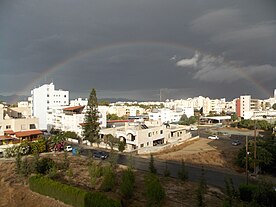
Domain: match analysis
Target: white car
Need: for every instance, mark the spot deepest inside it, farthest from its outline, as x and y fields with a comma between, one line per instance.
x=193, y=128
x=213, y=137
x=68, y=148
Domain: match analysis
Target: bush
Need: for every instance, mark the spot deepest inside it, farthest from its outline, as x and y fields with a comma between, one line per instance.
x=167, y=172
x=246, y=192
x=127, y=185
x=183, y=174
x=108, y=179
x=95, y=171
x=152, y=168
x=155, y=193
x=70, y=195
x=44, y=165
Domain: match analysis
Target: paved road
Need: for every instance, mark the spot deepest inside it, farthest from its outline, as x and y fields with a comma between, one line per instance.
x=213, y=177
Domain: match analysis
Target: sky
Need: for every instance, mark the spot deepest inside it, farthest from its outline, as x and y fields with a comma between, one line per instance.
x=135, y=49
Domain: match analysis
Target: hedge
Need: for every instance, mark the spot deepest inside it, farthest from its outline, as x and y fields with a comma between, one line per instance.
x=70, y=195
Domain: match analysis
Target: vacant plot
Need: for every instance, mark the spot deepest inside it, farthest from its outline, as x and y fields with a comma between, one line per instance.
x=218, y=153
x=15, y=192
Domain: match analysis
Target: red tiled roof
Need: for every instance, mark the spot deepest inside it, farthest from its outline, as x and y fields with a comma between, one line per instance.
x=28, y=133
x=9, y=132
x=72, y=108
x=5, y=137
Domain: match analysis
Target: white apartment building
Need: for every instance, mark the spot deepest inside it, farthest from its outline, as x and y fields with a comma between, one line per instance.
x=70, y=118
x=138, y=135
x=125, y=110
x=44, y=98
x=16, y=120
x=166, y=115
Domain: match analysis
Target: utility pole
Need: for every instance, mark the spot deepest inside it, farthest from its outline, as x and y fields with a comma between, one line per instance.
x=160, y=95
x=246, y=161
x=255, y=146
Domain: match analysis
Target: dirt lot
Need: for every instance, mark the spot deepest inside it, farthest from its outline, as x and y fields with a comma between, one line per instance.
x=15, y=192
x=217, y=153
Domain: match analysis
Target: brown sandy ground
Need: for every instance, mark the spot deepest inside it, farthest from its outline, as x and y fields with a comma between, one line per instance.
x=14, y=190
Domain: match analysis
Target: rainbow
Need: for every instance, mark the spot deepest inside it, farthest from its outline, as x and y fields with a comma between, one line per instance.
x=82, y=54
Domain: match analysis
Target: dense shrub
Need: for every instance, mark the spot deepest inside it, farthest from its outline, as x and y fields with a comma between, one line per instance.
x=155, y=193
x=69, y=194
x=44, y=165
x=127, y=185
x=95, y=171
x=108, y=179
x=152, y=168
x=246, y=192
x=22, y=149
x=38, y=147
x=182, y=173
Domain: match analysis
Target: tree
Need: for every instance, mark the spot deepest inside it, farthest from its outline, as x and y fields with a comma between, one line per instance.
x=201, y=190
x=127, y=184
x=111, y=140
x=152, y=169
x=274, y=106
x=155, y=192
x=91, y=126
x=182, y=173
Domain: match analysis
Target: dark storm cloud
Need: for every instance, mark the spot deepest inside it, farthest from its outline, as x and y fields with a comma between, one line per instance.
x=136, y=48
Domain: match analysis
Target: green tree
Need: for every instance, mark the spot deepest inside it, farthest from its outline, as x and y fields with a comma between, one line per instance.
x=274, y=106
x=230, y=193
x=109, y=179
x=234, y=117
x=127, y=184
x=152, y=168
x=201, y=190
x=91, y=127
x=155, y=192
x=184, y=120
x=182, y=173
x=122, y=146
x=111, y=140
x=167, y=172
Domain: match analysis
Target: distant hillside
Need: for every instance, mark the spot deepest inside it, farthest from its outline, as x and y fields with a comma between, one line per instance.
x=114, y=100
x=12, y=99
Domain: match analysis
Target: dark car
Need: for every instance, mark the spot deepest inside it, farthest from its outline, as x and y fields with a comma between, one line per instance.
x=236, y=142
x=100, y=155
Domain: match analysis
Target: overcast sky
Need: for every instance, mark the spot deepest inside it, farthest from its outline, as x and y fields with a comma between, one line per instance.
x=132, y=49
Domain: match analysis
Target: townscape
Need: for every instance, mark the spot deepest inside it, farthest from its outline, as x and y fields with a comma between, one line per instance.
x=133, y=134
x=152, y=103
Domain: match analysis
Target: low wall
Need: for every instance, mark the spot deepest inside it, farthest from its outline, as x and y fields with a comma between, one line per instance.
x=148, y=150
x=73, y=140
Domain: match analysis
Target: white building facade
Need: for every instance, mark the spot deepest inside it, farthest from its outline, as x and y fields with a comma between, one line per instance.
x=44, y=98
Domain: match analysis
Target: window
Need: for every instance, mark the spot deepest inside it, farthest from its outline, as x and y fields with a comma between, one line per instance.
x=142, y=145
x=161, y=131
x=64, y=96
x=8, y=126
x=32, y=126
x=23, y=127
x=147, y=143
x=47, y=95
x=149, y=134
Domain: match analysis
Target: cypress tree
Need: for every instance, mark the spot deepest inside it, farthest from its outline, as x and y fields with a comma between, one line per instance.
x=91, y=127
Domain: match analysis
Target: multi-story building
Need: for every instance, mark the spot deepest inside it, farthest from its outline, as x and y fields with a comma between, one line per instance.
x=70, y=118
x=138, y=135
x=243, y=105
x=17, y=122
x=44, y=98
x=166, y=115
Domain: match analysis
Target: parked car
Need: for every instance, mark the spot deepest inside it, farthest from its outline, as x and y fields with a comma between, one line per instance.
x=236, y=142
x=193, y=128
x=68, y=148
x=100, y=155
x=213, y=137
